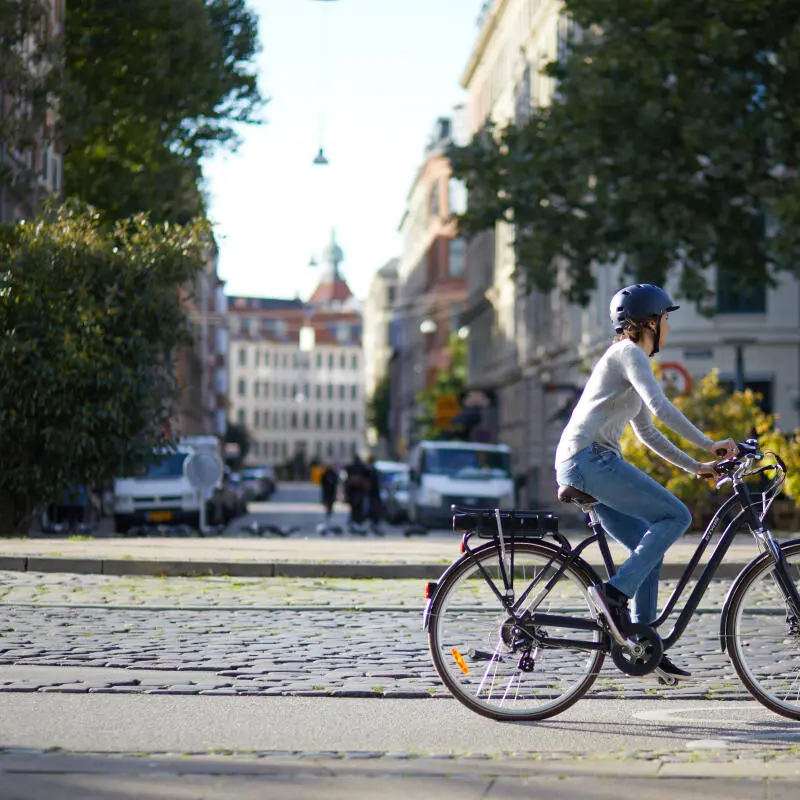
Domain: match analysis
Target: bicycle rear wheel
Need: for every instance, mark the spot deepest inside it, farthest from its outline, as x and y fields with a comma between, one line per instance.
x=481, y=659
x=762, y=638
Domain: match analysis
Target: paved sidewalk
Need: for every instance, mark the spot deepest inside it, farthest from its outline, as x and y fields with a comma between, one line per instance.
x=390, y=556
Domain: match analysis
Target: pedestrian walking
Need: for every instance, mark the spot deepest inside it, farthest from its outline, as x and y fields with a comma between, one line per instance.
x=356, y=489
x=329, y=485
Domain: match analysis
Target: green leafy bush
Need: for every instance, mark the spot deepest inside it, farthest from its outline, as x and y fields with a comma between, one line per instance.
x=90, y=317
x=720, y=415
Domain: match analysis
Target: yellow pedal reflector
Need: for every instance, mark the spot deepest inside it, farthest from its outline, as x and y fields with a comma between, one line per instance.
x=459, y=659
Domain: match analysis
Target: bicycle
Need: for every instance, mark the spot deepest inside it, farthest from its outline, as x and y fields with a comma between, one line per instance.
x=514, y=636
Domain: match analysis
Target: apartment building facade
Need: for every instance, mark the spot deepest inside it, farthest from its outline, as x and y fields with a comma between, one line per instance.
x=533, y=350
x=202, y=366
x=30, y=148
x=297, y=373
x=379, y=307
x=431, y=280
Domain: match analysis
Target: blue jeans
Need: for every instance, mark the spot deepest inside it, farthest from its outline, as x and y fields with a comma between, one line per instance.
x=637, y=512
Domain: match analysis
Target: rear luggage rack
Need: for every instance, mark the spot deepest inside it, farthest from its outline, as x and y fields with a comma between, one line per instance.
x=487, y=523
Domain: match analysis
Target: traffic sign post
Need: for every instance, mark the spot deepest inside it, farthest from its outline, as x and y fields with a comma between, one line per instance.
x=203, y=471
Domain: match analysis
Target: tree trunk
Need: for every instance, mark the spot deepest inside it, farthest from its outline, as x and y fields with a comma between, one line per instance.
x=15, y=515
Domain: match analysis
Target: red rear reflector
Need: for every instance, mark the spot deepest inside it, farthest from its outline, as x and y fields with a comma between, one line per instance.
x=430, y=588
x=463, y=547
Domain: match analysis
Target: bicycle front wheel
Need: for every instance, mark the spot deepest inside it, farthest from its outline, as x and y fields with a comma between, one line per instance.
x=763, y=638
x=485, y=663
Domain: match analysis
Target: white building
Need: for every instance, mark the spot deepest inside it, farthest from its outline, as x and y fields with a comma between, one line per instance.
x=297, y=372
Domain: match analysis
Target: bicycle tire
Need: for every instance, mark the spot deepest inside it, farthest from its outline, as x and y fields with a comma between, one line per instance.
x=763, y=650
x=466, y=637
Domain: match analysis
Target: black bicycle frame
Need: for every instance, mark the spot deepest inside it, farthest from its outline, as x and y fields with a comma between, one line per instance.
x=740, y=498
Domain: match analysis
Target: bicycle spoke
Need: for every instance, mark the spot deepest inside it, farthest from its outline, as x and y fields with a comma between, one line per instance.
x=764, y=642
x=522, y=679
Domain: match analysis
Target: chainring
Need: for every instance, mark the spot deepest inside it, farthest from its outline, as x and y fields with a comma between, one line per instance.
x=638, y=664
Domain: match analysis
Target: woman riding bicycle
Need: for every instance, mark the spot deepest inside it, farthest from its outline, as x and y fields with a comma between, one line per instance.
x=636, y=510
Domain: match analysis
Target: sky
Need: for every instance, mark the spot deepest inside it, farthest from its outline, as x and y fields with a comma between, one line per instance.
x=366, y=79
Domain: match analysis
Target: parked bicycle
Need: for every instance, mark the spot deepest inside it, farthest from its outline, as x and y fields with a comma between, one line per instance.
x=514, y=635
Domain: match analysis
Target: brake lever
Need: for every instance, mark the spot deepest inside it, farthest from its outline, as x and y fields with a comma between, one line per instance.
x=722, y=481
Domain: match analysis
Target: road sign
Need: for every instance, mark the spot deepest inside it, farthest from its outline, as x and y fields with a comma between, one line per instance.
x=203, y=471
x=447, y=406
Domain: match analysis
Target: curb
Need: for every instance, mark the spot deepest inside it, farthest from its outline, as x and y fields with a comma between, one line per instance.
x=269, y=569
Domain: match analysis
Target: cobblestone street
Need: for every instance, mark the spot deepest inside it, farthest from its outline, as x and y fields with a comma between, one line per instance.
x=333, y=637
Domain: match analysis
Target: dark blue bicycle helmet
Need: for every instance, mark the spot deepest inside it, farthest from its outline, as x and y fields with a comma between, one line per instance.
x=638, y=304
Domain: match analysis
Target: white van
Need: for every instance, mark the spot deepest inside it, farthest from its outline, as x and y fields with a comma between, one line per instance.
x=467, y=474
x=162, y=494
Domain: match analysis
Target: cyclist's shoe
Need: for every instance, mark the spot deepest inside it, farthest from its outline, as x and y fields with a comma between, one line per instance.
x=613, y=606
x=669, y=672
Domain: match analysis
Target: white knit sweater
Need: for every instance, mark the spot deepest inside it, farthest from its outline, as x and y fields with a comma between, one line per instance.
x=623, y=389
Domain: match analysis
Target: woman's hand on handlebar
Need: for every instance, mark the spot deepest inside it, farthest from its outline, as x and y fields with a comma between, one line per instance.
x=706, y=470
x=725, y=448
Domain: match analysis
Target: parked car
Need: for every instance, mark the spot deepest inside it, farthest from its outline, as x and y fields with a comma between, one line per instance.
x=396, y=501
x=258, y=482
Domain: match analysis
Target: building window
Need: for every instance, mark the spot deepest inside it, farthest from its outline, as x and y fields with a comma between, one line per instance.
x=258, y=361
x=265, y=418
x=341, y=392
x=240, y=416
x=343, y=361
x=256, y=449
x=319, y=360
x=305, y=420
x=330, y=361
x=354, y=420
x=318, y=392
x=318, y=448
x=342, y=449
x=354, y=392
x=295, y=360
x=318, y=420
x=283, y=419
x=735, y=299
x=266, y=389
x=330, y=391
x=354, y=361
x=294, y=420
x=284, y=362
x=256, y=388
x=275, y=420
x=283, y=449
x=256, y=419
x=242, y=356
x=456, y=258
x=354, y=448
x=266, y=358
x=330, y=420
x=283, y=391
x=242, y=388
x=390, y=294
x=341, y=420
x=329, y=449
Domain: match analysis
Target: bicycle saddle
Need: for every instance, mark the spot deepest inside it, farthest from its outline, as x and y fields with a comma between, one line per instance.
x=569, y=494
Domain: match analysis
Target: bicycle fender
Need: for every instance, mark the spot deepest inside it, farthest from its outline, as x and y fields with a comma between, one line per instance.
x=579, y=563
x=756, y=562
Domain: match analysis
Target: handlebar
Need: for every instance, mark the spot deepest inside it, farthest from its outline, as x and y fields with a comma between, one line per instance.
x=748, y=452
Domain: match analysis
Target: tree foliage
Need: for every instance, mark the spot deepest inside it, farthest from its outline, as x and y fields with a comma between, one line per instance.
x=671, y=145
x=30, y=74
x=379, y=406
x=720, y=415
x=448, y=382
x=89, y=319
x=158, y=84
